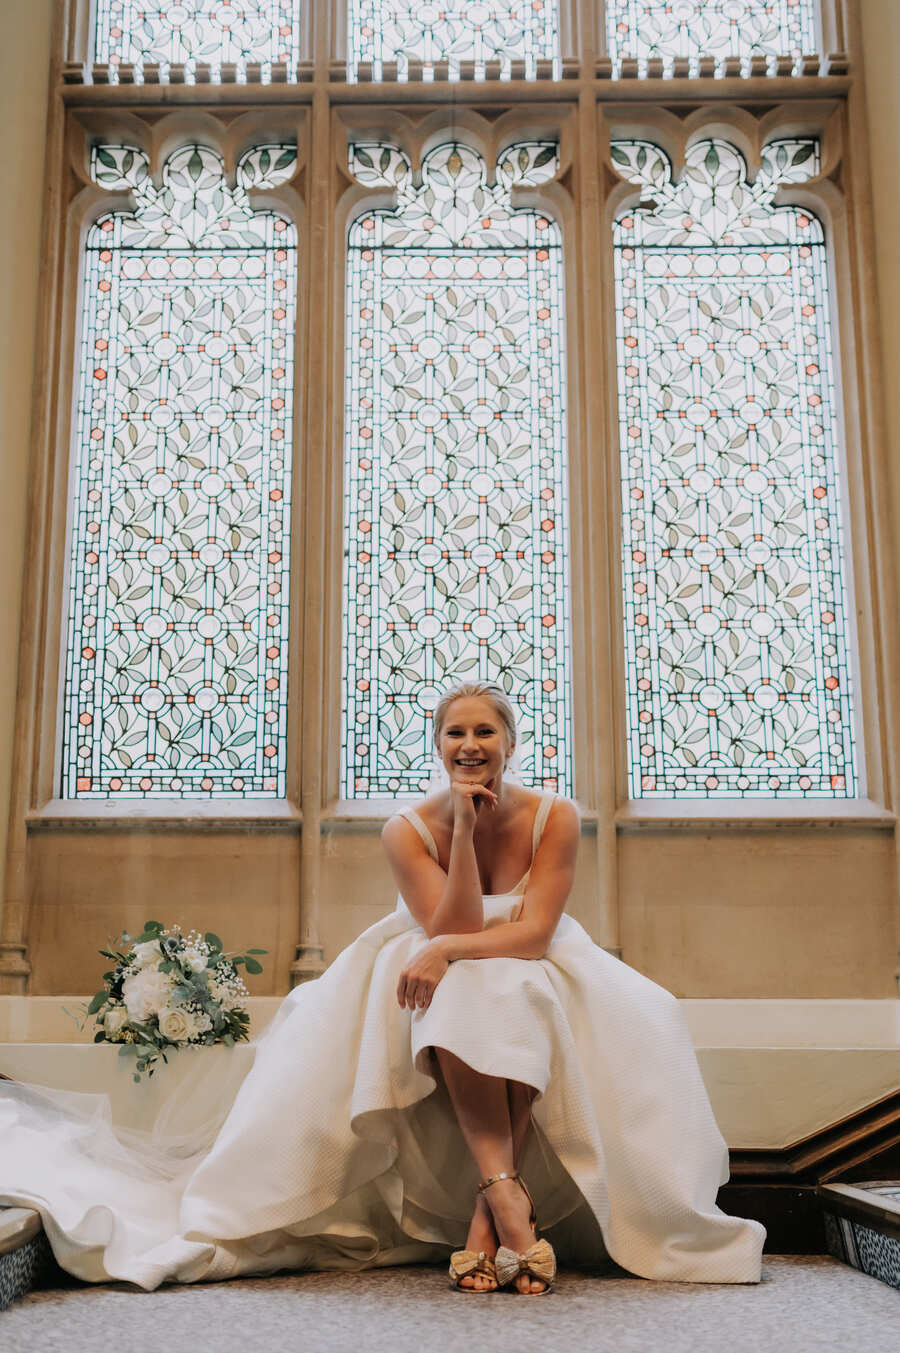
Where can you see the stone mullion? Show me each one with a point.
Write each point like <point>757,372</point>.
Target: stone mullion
<point>593,424</point>
<point>315,330</point>
<point>876,530</point>
<point>35,723</point>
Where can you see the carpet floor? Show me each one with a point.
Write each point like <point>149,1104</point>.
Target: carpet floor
<point>805,1303</point>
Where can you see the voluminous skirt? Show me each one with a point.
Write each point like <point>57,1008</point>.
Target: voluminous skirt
<point>341,1149</point>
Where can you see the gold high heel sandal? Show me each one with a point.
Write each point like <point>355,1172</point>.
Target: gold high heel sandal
<point>538,1261</point>
<point>466,1263</point>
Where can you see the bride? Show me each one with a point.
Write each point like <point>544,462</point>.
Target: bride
<point>472,1040</point>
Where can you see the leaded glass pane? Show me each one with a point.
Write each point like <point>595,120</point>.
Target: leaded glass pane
<point>177,652</point>
<point>455,508</point>
<point>720,28</point>
<point>213,31</point>
<point>452,31</point>
<point>736,622</point>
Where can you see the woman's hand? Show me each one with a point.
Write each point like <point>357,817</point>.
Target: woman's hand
<point>466,796</point>
<point>422,974</point>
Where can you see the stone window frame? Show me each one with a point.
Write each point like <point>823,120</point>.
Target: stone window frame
<point>584,109</point>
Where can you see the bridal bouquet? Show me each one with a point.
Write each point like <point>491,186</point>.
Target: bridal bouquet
<point>169,989</point>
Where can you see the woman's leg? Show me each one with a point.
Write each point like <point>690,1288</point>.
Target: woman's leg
<point>482,1106</point>
<point>520,1101</point>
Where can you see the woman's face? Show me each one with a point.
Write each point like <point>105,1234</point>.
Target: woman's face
<point>473,743</point>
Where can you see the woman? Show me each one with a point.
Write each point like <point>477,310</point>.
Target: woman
<point>475,1030</point>
<point>446,858</point>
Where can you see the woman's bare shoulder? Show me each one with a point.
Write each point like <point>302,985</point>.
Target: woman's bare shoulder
<point>564,813</point>
<point>398,826</point>
<point>560,806</point>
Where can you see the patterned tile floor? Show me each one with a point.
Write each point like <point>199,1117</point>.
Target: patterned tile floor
<point>805,1303</point>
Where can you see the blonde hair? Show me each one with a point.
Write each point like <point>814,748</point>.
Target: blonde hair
<point>482,690</point>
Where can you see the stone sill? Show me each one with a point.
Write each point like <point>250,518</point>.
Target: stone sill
<point>149,815</point>
<point>773,815</point>
<point>367,815</point>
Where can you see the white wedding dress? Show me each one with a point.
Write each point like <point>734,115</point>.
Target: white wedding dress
<point>341,1150</point>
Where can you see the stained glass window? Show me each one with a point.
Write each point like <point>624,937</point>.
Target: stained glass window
<point>213,31</point>
<point>178,568</point>
<point>720,28</point>
<point>453,31</point>
<point>736,634</point>
<point>455,509</point>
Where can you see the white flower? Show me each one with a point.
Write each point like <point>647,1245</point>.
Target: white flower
<point>227,997</point>
<point>146,992</point>
<point>147,953</point>
<point>176,1024</point>
<point>114,1019</point>
<point>202,1021</point>
<point>194,957</point>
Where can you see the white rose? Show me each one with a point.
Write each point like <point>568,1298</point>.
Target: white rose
<point>146,992</point>
<point>176,1024</point>
<point>114,1020</point>
<point>146,953</point>
<point>195,957</point>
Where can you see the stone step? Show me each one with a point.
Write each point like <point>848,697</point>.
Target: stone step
<point>838,1023</point>
<point>775,1071</point>
<point>763,1098</point>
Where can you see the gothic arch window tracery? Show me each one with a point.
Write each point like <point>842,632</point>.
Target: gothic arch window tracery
<point>456,490</point>
<point>736,616</point>
<point>177,642</point>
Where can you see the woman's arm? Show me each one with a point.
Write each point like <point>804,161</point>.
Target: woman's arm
<point>441,903</point>
<point>460,907</point>
<point>549,885</point>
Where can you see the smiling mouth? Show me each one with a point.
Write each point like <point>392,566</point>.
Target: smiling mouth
<point>471,765</point>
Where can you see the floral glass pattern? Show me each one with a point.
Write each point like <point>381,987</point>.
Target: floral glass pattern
<point>736,622</point>
<point>452,31</point>
<point>455,504</point>
<point>719,28</point>
<point>212,31</point>
<point>176,660</point>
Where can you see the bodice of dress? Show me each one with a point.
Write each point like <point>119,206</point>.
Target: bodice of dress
<point>498,907</point>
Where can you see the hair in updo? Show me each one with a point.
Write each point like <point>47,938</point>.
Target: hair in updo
<point>482,690</point>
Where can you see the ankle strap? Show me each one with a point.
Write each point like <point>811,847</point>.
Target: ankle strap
<point>485,1184</point>
<point>506,1174</point>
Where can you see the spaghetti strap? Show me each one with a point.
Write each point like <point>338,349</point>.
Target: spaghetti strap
<point>413,817</point>
<point>540,820</point>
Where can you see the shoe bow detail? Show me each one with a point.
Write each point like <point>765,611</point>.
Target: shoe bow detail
<point>464,1262</point>
<point>538,1260</point>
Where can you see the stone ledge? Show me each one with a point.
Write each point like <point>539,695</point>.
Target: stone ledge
<point>18,1225</point>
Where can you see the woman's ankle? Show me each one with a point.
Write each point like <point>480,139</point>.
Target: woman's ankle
<point>510,1210</point>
